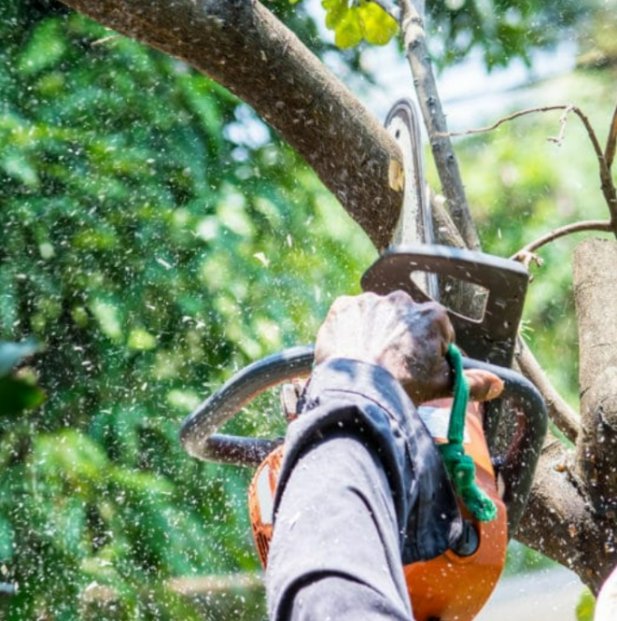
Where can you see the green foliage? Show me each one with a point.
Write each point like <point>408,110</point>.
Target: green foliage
<point>18,392</point>
<point>501,30</point>
<point>521,559</point>
<point>359,21</point>
<point>155,236</point>
<point>586,606</point>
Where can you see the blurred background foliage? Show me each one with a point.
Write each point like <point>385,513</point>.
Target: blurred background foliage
<point>155,237</point>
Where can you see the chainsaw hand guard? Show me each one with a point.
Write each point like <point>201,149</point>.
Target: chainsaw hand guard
<point>516,464</point>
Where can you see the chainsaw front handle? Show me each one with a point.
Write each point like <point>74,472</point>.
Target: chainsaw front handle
<point>199,430</point>
<point>516,465</point>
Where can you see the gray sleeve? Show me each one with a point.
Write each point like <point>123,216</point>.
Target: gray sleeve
<point>362,491</point>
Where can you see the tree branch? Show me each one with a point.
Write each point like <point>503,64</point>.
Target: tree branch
<point>562,231</point>
<point>414,38</point>
<point>559,411</point>
<point>606,181</point>
<point>559,522</point>
<point>595,294</point>
<point>611,141</point>
<point>241,45</point>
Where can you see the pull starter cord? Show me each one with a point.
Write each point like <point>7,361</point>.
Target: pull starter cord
<point>460,467</point>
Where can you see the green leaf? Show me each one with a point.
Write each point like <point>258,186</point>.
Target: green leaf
<point>72,456</point>
<point>349,30</point>
<point>13,353</point>
<point>585,607</point>
<point>335,10</point>
<point>107,316</point>
<point>378,26</point>
<point>17,395</point>
<point>18,166</point>
<point>7,539</point>
<point>44,49</point>
<point>141,340</point>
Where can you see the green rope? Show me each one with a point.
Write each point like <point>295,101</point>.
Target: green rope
<point>460,467</point>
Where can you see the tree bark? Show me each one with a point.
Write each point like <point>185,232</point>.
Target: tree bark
<point>241,45</point>
<point>560,522</point>
<point>595,294</point>
<point>435,121</point>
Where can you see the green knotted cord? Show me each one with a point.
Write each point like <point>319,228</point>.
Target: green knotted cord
<point>460,467</point>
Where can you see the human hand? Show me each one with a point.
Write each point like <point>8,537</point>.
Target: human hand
<point>408,339</point>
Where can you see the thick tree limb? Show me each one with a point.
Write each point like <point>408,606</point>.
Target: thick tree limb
<point>595,294</point>
<point>241,45</point>
<point>435,120</point>
<point>559,522</point>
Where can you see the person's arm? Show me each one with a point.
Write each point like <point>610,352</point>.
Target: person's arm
<point>362,488</point>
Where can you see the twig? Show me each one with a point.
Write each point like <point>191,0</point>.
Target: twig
<point>205,585</point>
<point>607,185</point>
<point>445,230</point>
<point>414,38</point>
<point>611,141</point>
<point>563,120</point>
<point>505,119</point>
<point>106,39</point>
<point>559,411</point>
<point>562,231</point>
<point>190,586</point>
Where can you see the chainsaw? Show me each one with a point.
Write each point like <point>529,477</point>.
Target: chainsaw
<point>503,437</point>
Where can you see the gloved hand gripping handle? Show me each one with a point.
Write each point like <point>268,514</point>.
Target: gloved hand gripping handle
<point>521,398</point>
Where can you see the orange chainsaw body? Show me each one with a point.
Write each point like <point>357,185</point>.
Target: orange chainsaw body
<point>447,588</point>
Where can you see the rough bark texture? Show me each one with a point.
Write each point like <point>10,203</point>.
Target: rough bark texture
<point>435,121</point>
<point>241,45</point>
<point>571,513</point>
<point>595,293</point>
<point>560,522</point>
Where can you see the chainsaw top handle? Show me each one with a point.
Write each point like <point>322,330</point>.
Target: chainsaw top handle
<point>516,464</point>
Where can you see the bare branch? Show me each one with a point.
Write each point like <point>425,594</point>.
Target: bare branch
<point>611,141</point>
<point>563,121</point>
<point>241,45</point>
<point>607,185</point>
<point>562,231</point>
<point>445,230</point>
<point>414,38</point>
<point>190,586</point>
<point>206,585</point>
<point>505,119</point>
<point>559,411</point>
